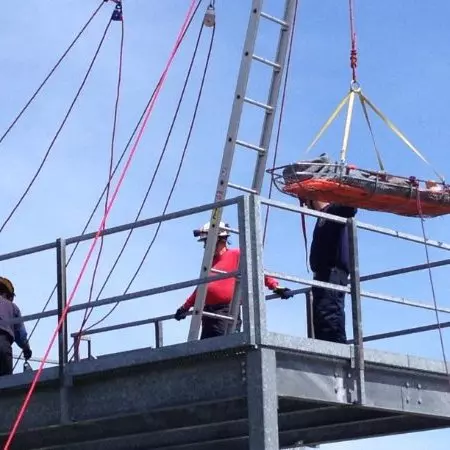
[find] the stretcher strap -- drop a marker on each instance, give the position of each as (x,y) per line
(399,134)
(305,237)
(328,122)
(348,123)
(366,116)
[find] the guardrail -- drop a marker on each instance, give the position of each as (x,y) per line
(250,273)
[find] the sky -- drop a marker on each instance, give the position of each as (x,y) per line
(404,65)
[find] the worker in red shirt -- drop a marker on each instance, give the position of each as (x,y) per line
(219,293)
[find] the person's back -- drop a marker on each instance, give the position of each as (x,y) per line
(10,332)
(329,260)
(7,312)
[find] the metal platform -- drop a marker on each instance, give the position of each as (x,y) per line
(249,390)
(212,394)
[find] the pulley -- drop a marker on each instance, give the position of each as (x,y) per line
(210,17)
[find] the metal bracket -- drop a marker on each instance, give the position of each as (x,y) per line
(412,395)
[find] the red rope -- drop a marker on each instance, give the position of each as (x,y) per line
(113,198)
(354,51)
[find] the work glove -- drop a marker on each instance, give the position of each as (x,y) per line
(283,292)
(181,313)
(27,353)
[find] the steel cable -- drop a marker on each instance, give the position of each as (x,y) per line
(127,147)
(111,162)
(180,165)
(63,317)
(53,141)
(52,71)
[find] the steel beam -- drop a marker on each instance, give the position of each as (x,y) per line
(62,333)
(373,295)
(262,400)
(126,227)
(362,225)
(125,297)
(210,395)
(404,332)
(358,346)
(403,270)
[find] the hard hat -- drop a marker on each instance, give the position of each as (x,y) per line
(8,285)
(202,233)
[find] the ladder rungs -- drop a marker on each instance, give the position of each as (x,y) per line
(242,188)
(217,316)
(267,62)
(274,19)
(251,146)
(259,104)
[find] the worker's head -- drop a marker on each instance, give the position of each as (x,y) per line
(222,238)
(6,288)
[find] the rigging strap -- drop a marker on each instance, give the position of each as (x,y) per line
(365,101)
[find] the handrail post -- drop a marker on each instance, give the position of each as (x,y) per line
(159,338)
(358,345)
(62,301)
(309,314)
(252,269)
(62,334)
(76,347)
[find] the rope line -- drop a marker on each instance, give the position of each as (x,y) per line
(372,134)
(88,256)
(433,292)
(353,51)
(13,123)
(191,127)
(144,201)
(111,162)
(77,340)
(53,141)
(86,226)
(280,118)
(99,200)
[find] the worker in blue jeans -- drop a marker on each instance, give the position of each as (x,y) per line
(330,261)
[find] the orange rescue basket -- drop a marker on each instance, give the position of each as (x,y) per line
(365,189)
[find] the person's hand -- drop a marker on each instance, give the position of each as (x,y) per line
(27,353)
(283,292)
(181,313)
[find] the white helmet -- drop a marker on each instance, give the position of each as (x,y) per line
(202,233)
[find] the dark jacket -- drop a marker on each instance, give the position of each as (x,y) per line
(329,247)
(16,331)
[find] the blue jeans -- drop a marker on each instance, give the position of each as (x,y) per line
(329,307)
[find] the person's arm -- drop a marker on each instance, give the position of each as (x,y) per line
(274,286)
(189,303)
(20,333)
(342,211)
(271,283)
(182,311)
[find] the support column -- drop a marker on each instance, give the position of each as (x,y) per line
(62,334)
(309,314)
(252,269)
(262,400)
(355,285)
